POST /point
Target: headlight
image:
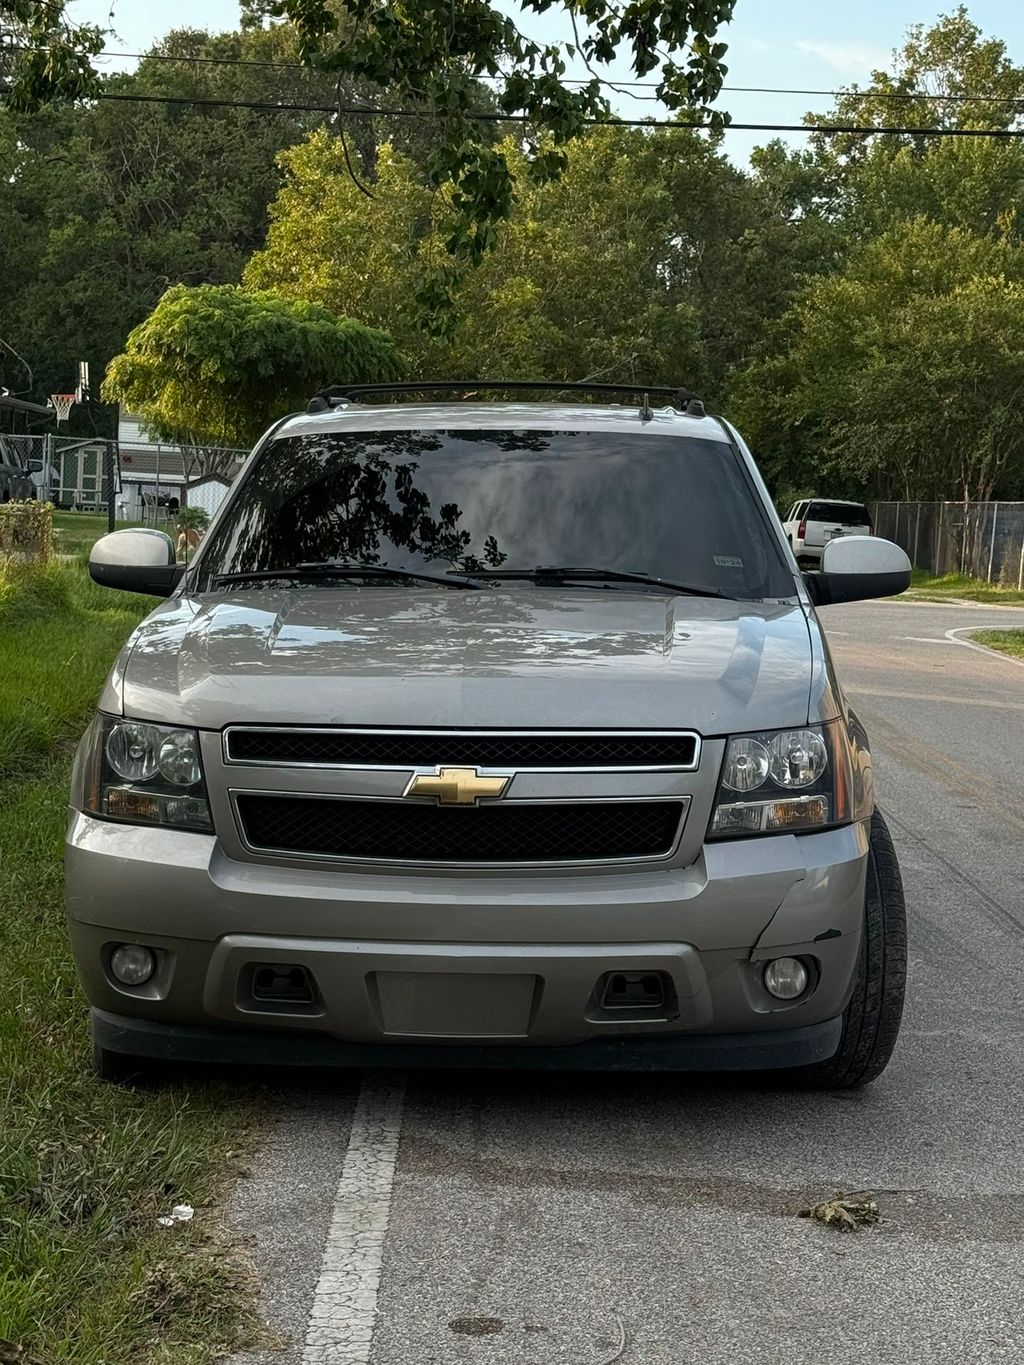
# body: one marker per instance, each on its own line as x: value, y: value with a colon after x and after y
x: 146, y: 774
x: 784, y: 781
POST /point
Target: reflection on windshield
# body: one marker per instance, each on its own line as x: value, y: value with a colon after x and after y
x: 671, y: 507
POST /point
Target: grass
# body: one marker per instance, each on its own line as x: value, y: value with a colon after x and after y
x: 59, y: 634
x: 950, y: 586
x: 86, y: 1273
x: 78, y: 531
x: 1006, y: 641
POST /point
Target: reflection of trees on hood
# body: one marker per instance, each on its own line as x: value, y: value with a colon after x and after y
x: 315, y: 498
x: 363, y: 628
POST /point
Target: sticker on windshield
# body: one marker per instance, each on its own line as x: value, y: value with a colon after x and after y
x: 729, y: 561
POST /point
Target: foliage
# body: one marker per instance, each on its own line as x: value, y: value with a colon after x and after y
x: 106, y: 205
x: 435, y: 56
x: 44, y: 55
x: 222, y: 363
x: 963, y: 182
x: 649, y: 259
x: 911, y: 363
x: 649, y: 256
x: 434, y: 52
x: 85, y: 1167
x: 26, y: 531
x: 192, y: 519
x: 897, y: 372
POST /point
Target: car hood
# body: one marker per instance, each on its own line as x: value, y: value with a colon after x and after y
x: 537, y: 657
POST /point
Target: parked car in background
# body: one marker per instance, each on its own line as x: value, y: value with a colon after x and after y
x: 15, y: 480
x: 487, y: 733
x: 44, y: 479
x: 813, y: 522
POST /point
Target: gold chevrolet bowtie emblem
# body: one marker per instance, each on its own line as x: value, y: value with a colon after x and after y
x: 457, y: 786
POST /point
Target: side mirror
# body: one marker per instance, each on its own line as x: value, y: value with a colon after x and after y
x: 855, y: 568
x: 138, y: 560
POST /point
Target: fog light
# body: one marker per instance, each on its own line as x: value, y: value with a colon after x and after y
x: 132, y: 964
x: 785, y: 978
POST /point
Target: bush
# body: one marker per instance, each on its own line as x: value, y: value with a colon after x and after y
x: 26, y: 531
x: 221, y: 363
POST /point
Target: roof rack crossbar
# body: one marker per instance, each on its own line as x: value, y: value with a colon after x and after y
x: 334, y: 394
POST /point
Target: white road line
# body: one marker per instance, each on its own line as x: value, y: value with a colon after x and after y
x: 929, y: 640
x: 953, y: 636
x: 344, y: 1310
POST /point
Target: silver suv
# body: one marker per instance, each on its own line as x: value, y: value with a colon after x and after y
x: 497, y: 733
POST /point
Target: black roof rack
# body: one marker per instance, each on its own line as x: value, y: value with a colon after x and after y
x: 336, y: 394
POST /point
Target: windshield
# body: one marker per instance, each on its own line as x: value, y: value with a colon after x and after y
x: 672, y: 507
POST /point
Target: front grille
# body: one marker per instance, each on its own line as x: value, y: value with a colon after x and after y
x: 484, y: 748
x: 395, y: 831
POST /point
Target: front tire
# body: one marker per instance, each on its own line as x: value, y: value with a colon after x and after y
x: 871, y: 1021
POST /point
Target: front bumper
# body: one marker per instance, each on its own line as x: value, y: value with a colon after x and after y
x: 177, y: 1043
x: 467, y: 967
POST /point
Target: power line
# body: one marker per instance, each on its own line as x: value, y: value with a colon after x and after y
x: 878, y: 95
x: 489, y: 117
x: 899, y: 95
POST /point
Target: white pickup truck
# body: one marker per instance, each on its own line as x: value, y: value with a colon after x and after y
x: 813, y: 522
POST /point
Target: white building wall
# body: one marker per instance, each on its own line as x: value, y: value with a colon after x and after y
x: 209, y: 494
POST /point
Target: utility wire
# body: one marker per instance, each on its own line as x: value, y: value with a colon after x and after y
x: 489, y: 117
x: 899, y: 95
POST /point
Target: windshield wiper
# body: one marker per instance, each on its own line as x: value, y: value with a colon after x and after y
x: 579, y: 574
x: 328, y: 568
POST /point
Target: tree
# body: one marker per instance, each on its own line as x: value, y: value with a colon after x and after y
x: 852, y: 190
x: 580, y: 288
x: 949, y: 76
x: 44, y: 56
x: 357, y: 257
x: 946, y: 76
x: 433, y: 55
x: 909, y: 367
x: 105, y: 205
x: 435, y: 52
x: 650, y: 258
x: 219, y: 364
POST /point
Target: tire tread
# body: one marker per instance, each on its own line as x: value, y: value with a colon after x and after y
x: 871, y: 1021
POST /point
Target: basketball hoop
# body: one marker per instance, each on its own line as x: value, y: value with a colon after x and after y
x: 63, y: 402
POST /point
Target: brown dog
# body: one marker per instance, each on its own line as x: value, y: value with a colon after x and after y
x: 188, y: 542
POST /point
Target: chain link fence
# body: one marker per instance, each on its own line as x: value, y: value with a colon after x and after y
x: 980, y: 539
x: 148, y: 483
x: 68, y: 471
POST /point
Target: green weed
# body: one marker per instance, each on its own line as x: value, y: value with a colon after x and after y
x: 86, y: 1273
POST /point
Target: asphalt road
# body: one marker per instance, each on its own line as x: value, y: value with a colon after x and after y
x: 528, y: 1220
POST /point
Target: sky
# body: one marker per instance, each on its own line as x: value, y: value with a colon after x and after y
x: 794, y: 44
